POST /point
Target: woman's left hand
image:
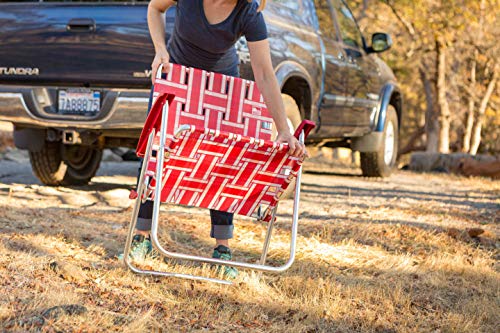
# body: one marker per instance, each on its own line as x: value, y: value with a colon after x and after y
x: 296, y: 148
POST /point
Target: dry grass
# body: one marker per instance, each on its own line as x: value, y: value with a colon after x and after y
x: 372, y: 256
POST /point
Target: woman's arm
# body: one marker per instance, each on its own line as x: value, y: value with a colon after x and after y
x: 260, y: 56
x: 156, y: 24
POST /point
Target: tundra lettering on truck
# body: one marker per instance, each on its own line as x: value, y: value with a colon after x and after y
x: 19, y: 71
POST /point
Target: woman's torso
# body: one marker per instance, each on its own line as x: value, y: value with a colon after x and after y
x: 197, y: 43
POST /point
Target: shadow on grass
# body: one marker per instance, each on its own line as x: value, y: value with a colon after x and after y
x: 334, y: 172
x: 459, y: 204
x: 432, y: 301
x: 52, y: 221
x: 21, y: 173
x: 462, y: 198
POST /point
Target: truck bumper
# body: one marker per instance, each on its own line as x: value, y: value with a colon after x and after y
x: 121, y: 109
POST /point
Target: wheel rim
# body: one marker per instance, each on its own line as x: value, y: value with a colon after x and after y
x: 389, y: 143
x: 77, y: 157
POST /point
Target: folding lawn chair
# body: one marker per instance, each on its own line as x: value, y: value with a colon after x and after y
x: 206, y: 143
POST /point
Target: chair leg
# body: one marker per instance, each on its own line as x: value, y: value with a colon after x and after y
x: 135, y: 212
x: 267, y: 240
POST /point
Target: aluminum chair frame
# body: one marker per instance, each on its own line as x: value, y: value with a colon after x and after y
x: 142, y: 196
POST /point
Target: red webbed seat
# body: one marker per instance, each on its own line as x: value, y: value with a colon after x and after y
x: 207, y: 142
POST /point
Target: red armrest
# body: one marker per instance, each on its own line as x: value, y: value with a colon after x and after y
x: 153, y: 121
x: 306, y: 126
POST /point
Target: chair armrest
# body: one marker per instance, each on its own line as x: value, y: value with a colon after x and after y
x: 306, y: 126
x: 153, y: 121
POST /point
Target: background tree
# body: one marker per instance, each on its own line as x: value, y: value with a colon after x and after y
x: 445, y: 56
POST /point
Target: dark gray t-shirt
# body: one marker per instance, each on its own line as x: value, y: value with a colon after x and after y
x: 197, y: 43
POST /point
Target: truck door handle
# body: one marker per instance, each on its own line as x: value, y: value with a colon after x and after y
x: 81, y: 25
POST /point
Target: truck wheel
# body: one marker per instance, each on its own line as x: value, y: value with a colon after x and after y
x: 381, y: 163
x: 294, y: 119
x: 58, y: 164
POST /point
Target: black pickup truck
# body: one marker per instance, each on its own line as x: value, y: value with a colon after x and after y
x: 75, y: 79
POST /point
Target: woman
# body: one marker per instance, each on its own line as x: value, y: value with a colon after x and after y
x: 204, y: 36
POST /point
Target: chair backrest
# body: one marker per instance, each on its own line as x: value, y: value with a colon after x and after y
x: 208, y: 100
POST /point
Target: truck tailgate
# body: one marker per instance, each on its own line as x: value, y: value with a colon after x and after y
x: 80, y: 44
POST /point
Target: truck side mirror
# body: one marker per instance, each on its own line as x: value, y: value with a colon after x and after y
x: 380, y: 42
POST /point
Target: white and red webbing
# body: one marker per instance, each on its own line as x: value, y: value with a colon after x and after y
x: 226, y: 161
x: 224, y: 171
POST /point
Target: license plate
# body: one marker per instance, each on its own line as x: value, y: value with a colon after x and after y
x: 79, y: 101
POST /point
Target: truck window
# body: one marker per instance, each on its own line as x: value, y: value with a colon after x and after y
x: 347, y: 24
x: 325, y: 21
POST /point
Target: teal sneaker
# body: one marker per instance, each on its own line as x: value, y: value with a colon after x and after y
x: 224, y: 253
x: 140, y: 249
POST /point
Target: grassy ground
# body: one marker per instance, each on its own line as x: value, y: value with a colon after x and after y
x: 392, y: 255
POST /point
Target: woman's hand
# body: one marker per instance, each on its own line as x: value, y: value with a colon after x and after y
x: 161, y: 57
x: 156, y: 24
x: 296, y: 148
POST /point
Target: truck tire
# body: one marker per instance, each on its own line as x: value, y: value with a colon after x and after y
x: 58, y: 164
x: 382, y: 162
x: 294, y: 119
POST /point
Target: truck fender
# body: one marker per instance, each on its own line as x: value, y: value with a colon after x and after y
x: 32, y: 139
x: 289, y: 69
x: 386, y: 94
x: 372, y: 142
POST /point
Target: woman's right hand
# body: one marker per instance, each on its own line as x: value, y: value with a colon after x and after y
x: 161, y: 57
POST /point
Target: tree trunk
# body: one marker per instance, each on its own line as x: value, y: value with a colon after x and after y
x: 469, y: 121
x: 407, y: 25
x: 364, y: 8
x: 431, y: 123
x: 476, y: 132
x: 444, y: 110
x: 411, y: 145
